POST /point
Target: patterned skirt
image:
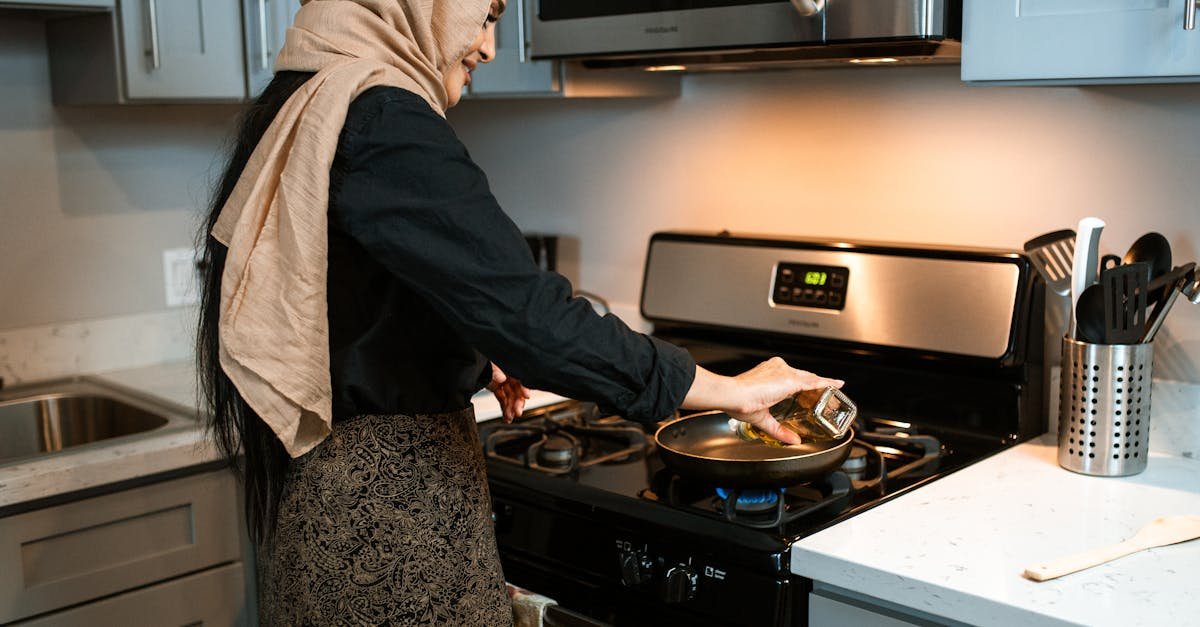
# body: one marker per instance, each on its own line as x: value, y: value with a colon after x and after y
x: 386, y: 521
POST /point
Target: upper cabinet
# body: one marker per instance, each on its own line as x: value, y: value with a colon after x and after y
x: 155, y: 51
x: 182, y: 49
x: 57, y: 4
x: 1080, y: 41
x: 266, y: 23
x: 514, y: 74
x: 149, y: 51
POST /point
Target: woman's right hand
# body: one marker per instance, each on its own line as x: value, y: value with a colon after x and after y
x: 749, y: 396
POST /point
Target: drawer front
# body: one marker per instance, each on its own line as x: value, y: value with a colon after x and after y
x: 59, y: 556
x: 213, y: 597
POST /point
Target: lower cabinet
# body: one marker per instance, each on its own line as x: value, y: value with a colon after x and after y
x: 211, y: 597
x: 168, y: 553
x: 830, y: 606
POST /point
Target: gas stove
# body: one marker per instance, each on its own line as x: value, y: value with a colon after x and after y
x: 587, y: 512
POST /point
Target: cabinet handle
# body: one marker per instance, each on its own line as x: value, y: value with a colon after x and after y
x: 521, y: 31
x: 1189, y: 14
x: 264, y: 59
x: 152, y: 16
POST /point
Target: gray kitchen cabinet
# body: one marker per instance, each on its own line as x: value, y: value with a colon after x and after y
x: 514, y: 74
x: 149, y: 51
x: 212, y: 597
x: 90, y: 555
x: 832, y: 606
x: 182, y: 49
x: 266, y: 23
x: 57, y: 4
x: 1080, y: 41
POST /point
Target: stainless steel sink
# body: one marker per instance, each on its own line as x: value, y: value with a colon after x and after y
x: 51, y: 417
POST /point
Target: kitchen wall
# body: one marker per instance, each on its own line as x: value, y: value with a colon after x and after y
x: 89, y: 197
x: 898, y: 154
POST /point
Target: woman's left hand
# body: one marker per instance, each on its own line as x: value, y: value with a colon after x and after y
x: 509, y: 391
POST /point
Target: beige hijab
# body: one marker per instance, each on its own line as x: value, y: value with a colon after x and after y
x: 274, y: 325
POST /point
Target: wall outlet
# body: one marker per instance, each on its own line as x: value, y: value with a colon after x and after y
x: 182, y: 277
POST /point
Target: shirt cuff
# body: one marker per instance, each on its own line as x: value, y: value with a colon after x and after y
x: 668, y: 384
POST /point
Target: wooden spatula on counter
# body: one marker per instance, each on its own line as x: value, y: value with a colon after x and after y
x: 1160, y: 532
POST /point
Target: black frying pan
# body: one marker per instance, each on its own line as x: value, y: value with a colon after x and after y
x: 707, y: 447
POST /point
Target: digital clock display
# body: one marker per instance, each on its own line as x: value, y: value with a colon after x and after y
x: 808, y: 285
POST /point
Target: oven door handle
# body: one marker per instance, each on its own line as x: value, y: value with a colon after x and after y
x: 558, y: 616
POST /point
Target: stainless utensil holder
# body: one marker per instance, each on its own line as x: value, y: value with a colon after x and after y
x: 1104, y: 410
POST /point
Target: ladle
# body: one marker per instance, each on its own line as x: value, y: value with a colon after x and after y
x: 1155, y: 249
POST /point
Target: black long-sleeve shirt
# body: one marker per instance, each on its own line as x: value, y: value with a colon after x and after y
x: 429, y: 280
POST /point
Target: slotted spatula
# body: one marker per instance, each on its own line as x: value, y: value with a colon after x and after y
x: 1125, y: 290
x: 1052, y: 254
x: 1161, y: 532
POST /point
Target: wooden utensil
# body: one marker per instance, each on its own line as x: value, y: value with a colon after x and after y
x: 1161, y: 532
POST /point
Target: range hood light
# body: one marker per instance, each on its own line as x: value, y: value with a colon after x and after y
x: 874, y: 61
x: 666, y: 68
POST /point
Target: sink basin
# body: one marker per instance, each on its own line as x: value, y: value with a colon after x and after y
x: 51, y: 417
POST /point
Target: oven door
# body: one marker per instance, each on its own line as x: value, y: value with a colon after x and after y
x: 566, y: 28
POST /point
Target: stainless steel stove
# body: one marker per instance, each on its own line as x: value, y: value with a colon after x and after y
x: 940, y: 348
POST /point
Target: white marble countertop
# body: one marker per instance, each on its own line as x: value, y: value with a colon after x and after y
x: 956, y: 547
x: 129, y: 458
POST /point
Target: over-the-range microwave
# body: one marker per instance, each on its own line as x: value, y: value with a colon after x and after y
x: 616, y: 33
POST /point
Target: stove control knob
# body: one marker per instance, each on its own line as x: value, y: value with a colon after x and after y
x: 636, y: 568
x: 680, y: 584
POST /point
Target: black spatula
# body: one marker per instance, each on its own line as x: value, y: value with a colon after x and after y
x: 1125, y: 289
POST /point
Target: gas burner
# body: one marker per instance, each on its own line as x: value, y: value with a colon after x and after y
x: 890, y: 449
x: 561, y: 439
x: 751, y: 501
x: 856, y: 463
x: 759, y: 508
x: 557, y: 450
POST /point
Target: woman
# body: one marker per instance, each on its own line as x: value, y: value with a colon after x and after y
x: 362, y: 284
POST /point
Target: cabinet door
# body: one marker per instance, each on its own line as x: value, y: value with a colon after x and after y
x: 507, y: 74
x: 1079, y: 41
x: 66, y: 4
x: 266, y: 23
x: 211, y: 597
x: 182, y: 49
x: 67, y: 554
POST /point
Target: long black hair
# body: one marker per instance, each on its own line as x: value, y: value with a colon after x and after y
x: 237, y: 431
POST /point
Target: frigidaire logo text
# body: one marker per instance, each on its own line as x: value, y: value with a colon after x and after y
x: 803, y: 323
x: 661, y: 30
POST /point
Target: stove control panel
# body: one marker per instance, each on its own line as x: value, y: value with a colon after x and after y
x: 680, y: 584
x: 666, y: 572
x: 807, y: 285
x: 636, y: 567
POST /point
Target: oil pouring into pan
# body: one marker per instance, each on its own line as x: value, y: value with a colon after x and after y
x: 813, y: 415
x: 714, y: 447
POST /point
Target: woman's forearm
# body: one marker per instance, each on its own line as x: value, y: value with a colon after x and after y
x: 711, y: 391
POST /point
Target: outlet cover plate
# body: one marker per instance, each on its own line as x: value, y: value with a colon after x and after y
x: 181, y: 277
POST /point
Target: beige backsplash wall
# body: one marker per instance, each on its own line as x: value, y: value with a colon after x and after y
x: 899, y: 154
x: 89, y: 197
